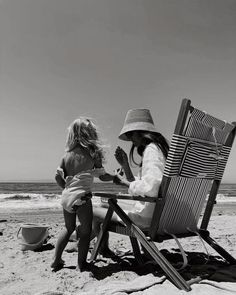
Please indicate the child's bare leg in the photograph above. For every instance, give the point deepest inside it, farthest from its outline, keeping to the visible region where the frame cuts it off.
(63, 239)
(85, 216)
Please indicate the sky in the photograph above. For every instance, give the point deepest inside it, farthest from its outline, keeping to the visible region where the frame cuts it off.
(99, 58)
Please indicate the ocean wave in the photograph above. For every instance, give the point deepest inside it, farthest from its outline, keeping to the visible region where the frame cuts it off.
(27, 196)
(28, 201)
(17, 197)
(221, 198)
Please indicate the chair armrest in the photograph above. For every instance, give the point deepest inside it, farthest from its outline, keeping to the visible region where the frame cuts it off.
(124, 197)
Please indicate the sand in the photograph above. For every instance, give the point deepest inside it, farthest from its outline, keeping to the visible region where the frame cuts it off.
(29, 272)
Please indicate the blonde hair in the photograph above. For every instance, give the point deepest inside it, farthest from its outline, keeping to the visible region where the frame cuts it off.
(83, 132)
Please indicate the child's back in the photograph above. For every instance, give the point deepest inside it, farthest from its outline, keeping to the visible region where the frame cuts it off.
(76, 161)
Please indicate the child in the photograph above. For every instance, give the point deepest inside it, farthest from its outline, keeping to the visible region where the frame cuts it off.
(81, 163)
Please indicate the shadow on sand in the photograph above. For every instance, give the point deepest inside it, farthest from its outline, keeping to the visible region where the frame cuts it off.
(199, 264)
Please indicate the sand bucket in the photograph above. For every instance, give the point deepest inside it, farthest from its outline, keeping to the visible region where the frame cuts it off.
(32, 236)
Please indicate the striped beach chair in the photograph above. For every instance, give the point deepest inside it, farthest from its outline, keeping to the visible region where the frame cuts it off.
(198, 154)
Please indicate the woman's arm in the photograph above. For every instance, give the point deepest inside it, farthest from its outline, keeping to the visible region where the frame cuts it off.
(153, 164)
(128, 172)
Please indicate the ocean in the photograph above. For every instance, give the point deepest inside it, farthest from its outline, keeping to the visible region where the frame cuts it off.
(24, 196)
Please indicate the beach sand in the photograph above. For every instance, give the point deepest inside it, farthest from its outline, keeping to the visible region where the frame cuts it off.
(29, 272)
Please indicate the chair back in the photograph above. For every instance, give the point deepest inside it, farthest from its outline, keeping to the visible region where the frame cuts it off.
(196, 161)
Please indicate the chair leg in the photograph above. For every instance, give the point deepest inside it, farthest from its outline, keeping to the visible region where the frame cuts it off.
(101, 234)
(136, 250)
(206, 236)
(169, 270)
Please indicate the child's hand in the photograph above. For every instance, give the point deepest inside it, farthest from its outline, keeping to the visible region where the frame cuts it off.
(121, 156)
(60, 177)
(60, 172)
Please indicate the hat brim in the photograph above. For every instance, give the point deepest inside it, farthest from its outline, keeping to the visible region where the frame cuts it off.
(136, 126)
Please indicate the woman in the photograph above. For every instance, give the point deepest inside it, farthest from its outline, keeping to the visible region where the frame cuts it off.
(152, 148)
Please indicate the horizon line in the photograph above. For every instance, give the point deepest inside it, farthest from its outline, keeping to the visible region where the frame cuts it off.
(53, 181)
(34, 180)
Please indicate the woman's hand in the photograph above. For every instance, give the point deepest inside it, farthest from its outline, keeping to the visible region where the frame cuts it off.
(122, 159)
(121, 156)
(120, 179)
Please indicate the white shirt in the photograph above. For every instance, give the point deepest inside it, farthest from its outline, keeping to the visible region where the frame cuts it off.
(147, 184)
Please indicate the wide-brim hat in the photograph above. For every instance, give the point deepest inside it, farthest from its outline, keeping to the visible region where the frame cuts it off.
(33, 236)
(137, 120)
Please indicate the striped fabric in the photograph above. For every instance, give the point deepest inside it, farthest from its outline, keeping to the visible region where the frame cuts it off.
(193, 157)
(175, 155)
(119, 229)
(212, 121)
(183, 205)
(222, 162)
(200, 160)
(200, 126)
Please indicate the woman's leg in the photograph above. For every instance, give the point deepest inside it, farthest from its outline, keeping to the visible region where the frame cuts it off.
(99, 214)
(85, 216)
(70, 225)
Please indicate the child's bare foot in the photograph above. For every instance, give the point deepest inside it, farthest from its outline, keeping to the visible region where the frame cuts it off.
(57, 265)
(86, 267)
